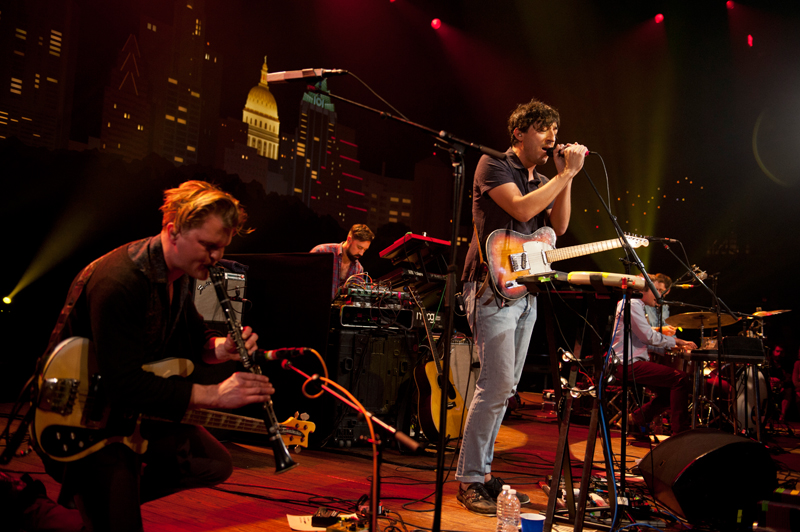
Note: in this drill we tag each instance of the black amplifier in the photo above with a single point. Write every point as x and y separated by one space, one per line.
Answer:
352 316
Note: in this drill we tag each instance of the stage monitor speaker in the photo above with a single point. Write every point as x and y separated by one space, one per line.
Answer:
711 477
207 303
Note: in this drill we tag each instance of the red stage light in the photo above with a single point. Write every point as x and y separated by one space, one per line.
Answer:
659 18
750 41
436 23
729 4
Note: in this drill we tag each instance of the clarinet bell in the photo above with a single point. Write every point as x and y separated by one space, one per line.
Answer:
283 461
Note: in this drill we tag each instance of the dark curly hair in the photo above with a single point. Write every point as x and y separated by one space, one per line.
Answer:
534 113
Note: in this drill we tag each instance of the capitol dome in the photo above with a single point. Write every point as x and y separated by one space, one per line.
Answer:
260 100
260 113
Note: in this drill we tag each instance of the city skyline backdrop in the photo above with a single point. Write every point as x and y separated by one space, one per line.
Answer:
696 116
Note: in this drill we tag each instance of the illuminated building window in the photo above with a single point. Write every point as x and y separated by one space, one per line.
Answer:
140 127
126 115
206 57
181 108
298 190
52 80
173 81
197 26
178 159
109 124
406 214
181 121
393 213
392 219
190 148
21 34
406 200
19 53
195 94
394 199
119 146
115 106
170 118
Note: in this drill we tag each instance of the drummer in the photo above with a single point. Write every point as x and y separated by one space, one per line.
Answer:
670 386
657 314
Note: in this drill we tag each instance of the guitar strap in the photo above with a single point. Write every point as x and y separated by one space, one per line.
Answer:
482 266
74 293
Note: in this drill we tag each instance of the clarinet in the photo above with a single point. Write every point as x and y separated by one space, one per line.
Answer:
283 462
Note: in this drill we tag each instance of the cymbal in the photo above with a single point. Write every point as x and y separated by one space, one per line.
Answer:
765 313
694 320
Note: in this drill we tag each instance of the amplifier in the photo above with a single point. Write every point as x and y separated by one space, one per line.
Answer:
352 316
207 303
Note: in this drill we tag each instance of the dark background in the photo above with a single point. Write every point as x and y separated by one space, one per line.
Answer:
699 133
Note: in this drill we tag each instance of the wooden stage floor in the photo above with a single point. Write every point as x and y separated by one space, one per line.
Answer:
255 498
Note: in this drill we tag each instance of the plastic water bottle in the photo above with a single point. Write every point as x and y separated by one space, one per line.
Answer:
511 512
502 502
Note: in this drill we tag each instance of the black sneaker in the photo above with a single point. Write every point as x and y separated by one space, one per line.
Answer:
476 499
495 486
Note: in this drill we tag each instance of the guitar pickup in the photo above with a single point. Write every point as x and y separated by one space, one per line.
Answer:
58 395
519 261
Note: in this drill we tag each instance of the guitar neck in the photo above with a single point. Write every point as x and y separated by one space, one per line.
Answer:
570 252
221 420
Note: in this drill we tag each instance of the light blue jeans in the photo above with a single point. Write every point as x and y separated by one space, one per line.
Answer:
502 335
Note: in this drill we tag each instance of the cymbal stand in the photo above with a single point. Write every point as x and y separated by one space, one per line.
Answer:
718 306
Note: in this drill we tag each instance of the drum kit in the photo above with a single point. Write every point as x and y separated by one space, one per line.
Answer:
705 410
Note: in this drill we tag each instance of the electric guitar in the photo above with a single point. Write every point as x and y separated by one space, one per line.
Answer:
510 255
73 418
430 381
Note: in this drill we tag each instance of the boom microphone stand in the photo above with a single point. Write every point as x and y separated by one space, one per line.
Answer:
457 148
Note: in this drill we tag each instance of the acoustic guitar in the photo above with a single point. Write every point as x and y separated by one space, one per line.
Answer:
430 381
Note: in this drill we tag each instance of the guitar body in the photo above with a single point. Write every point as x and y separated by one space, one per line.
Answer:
429 410
510 254
73 418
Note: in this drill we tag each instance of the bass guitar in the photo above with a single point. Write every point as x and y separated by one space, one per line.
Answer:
73 418
430 381
510 255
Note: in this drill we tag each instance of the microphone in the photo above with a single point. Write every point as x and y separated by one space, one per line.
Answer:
658 239
684 286
549 151
305 74
281 354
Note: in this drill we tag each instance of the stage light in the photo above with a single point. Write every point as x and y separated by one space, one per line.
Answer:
750 41
729 4
7 300
436 23
659 18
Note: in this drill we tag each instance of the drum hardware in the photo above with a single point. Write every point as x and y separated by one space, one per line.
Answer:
701 320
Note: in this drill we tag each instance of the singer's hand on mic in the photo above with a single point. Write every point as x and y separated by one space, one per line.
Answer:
569 160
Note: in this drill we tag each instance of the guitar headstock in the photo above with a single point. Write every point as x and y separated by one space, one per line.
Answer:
636 241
